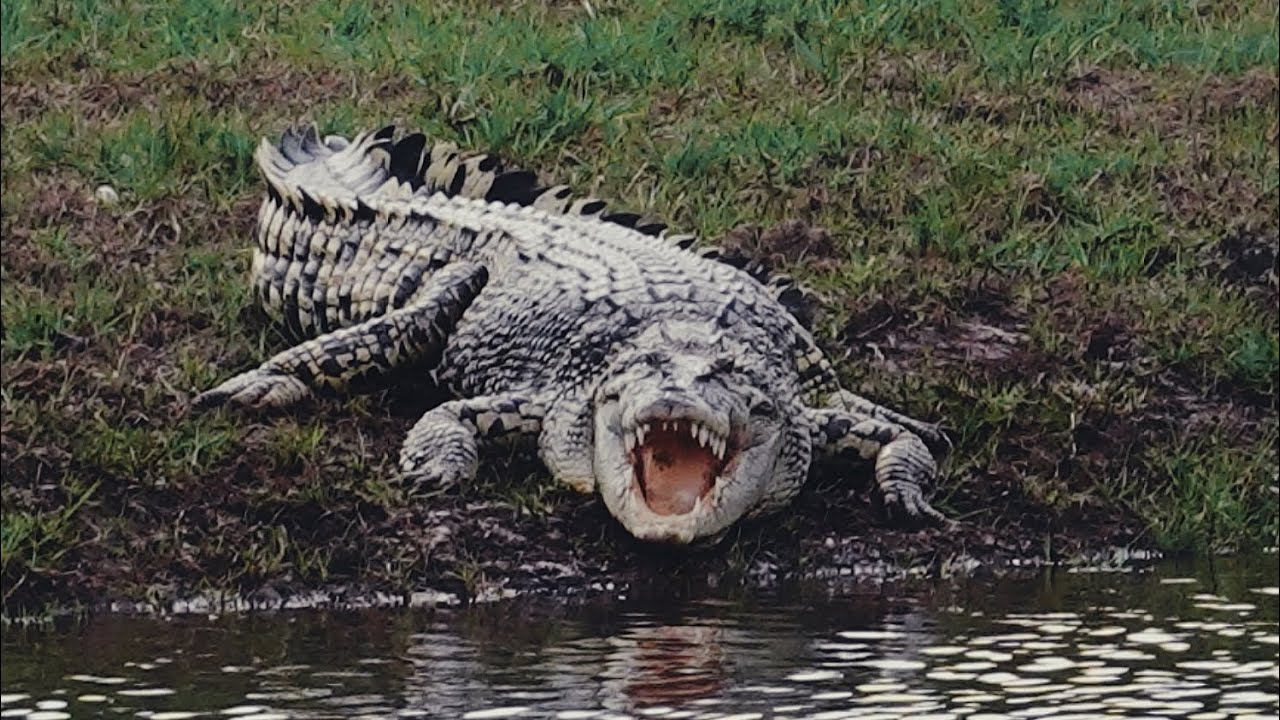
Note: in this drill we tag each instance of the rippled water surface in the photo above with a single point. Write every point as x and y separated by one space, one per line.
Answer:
1191 640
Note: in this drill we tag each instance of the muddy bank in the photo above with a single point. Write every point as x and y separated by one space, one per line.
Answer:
279 530
476 547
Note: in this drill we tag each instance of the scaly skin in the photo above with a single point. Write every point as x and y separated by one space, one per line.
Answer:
675 382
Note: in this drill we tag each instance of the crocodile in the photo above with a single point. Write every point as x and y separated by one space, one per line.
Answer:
676 381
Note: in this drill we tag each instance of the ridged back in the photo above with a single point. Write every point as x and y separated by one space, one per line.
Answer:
320 178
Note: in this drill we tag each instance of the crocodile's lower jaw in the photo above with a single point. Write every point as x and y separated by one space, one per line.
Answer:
673 471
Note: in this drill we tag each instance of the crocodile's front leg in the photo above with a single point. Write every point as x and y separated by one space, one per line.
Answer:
443 447
415 332
904 467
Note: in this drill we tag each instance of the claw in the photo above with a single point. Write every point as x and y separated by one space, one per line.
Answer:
905 505
937 440
256 389
421 472
427 469
208 399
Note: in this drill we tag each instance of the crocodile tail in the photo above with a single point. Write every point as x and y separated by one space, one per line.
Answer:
328 178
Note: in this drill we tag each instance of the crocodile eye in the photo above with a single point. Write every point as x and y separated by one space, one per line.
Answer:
718 367
764 407
723 365
654 359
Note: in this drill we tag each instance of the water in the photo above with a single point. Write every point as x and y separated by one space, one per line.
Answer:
1193 640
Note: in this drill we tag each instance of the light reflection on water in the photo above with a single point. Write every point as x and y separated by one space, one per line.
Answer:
1197 641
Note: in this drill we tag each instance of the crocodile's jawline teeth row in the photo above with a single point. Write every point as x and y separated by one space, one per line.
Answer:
700 432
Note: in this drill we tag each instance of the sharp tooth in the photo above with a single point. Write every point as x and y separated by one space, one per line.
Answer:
703 435
693 430
641 432
717 446
629 441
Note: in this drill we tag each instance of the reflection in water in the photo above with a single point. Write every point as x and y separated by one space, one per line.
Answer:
668 664
1197 642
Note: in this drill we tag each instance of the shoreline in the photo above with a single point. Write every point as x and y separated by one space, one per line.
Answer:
476 550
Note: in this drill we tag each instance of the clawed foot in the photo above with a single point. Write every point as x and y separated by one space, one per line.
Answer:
904 505
423 471
256 389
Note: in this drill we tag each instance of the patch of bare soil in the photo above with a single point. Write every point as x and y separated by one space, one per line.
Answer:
1130 100
102 239
1247 257
901 75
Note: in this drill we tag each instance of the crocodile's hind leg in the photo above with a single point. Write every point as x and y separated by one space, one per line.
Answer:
416 332
904 467
443 446
931 434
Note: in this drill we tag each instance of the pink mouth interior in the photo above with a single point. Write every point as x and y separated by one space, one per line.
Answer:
674 470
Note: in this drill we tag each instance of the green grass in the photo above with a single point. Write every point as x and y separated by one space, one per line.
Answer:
35 543
1209 495
1095 178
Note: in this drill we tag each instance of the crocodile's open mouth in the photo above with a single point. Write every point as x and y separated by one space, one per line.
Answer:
676 463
